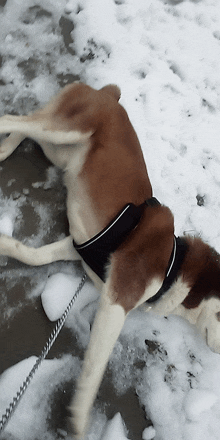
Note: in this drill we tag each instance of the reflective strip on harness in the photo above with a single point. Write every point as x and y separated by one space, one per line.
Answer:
96 251
176 260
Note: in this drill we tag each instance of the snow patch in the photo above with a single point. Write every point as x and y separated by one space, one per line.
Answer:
115 429
197 402
57 294
6 225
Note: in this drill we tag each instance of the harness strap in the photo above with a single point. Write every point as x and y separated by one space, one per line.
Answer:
180 248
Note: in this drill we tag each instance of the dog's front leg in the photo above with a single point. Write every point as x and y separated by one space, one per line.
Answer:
60 250
107 326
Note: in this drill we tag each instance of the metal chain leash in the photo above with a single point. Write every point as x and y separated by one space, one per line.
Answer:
55 332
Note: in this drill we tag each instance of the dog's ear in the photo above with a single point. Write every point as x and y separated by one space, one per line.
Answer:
112 90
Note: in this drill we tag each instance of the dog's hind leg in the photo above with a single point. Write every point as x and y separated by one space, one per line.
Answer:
9 144
39 128
106 328
208 323
60 250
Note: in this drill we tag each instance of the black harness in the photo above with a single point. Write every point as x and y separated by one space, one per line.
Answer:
96 251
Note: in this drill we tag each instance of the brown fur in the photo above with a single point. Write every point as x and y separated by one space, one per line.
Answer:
201 270
142 257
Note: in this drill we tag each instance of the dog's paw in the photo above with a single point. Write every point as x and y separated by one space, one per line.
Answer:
9 144
5 244
4 240
77 423
6 148
72 431
3 148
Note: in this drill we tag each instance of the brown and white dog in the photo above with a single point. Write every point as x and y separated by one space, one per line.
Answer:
88 134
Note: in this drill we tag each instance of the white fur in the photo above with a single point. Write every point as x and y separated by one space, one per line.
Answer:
105 332
171 300
150 291
39 131
60 250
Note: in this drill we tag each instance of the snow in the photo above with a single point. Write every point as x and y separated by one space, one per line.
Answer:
197 402
34 403
56 296
6 225
115 429
149 433
165 57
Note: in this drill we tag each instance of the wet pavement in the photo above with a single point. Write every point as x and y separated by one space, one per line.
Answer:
24 327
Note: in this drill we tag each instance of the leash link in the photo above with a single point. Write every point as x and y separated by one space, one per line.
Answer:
53 336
